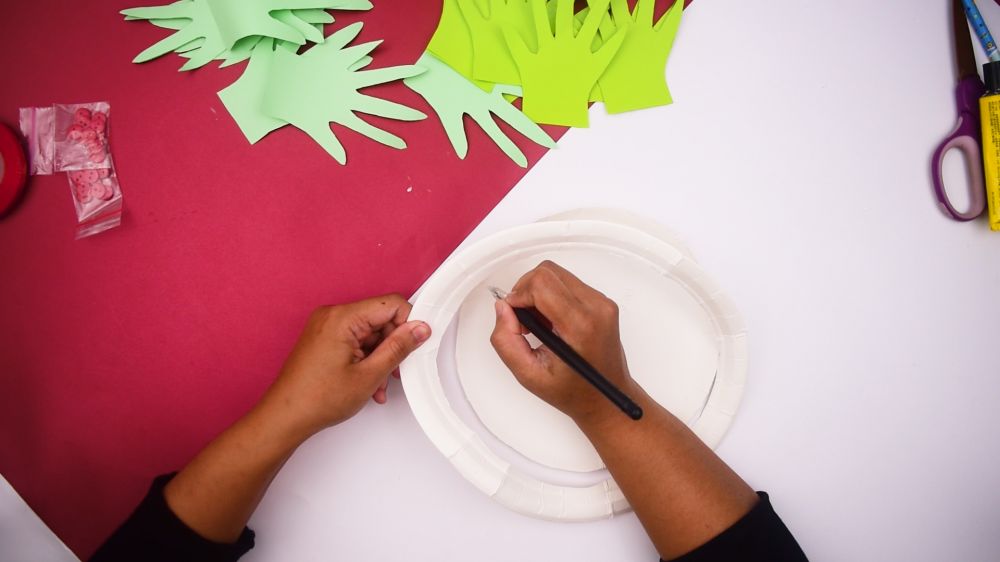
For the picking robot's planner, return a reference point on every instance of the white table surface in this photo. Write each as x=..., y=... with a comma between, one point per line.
x=795, y=164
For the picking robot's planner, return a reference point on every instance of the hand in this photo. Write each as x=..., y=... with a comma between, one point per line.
x=322, y=86
x=344, y=356
x=452, y=97
x=586, y=320
x=636, y=78
x=560, y=76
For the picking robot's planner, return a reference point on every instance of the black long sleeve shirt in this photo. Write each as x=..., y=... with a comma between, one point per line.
x=154, y=534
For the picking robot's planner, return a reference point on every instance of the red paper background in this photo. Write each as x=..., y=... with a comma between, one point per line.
x=121, y=355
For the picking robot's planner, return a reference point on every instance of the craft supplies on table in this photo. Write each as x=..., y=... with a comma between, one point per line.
x=965, y=135
x=982, y=31
x=13, y=169
x=538, y=463
x=74, y=138
x=990, y=110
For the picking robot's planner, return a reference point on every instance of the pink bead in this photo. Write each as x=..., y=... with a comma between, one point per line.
x=89, y=134
x=97, y=157
x=82, y=113
x=106, y=192
x=104, y=173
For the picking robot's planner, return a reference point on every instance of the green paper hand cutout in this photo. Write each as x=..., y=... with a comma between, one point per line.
x=222, y=23
x=636, y=78
x=320, y=87
x=492, y=61
x=244, y=97
x=452, y=97
x=559, y=77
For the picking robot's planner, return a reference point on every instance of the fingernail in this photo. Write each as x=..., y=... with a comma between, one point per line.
x=421, y=332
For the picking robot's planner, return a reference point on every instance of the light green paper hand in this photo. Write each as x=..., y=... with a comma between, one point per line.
x=453, y=97
x=222, y=23
x=559, y=77
x=636, y=78
x=243, y=98
x=319, y=87
x=491, y=60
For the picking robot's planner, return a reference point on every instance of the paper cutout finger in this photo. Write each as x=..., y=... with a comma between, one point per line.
x=559, y=76
x=321, y=87
x=452, y=97
x=636, y=78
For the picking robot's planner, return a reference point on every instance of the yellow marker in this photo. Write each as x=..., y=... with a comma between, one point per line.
x=989, y=108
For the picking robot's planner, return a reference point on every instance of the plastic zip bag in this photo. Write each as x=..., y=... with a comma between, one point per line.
x=74, y=138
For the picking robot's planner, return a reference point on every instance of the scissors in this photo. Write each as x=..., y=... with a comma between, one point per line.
x=965, y=135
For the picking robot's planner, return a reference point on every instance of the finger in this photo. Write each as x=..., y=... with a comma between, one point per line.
x=380, y=313
x=171, y=43
x=620, y=11
x=382, y=75
x=564, y=18
x=644, y=12
x=172, y=11
x=540, y=15
x=543, y=290
x=343, y=37
x=388, y=109
x=395, y=348
x=381, y=395
x=522, y=123
x=598, y=11
x=360, y=126
x=322, y=134
x=485, y=120
x=510, y=344
x=671, y=20
x=314, y=15
x=365, y=61
x=603, y=56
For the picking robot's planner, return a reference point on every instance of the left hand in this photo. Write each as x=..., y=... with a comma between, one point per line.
x=344, y=357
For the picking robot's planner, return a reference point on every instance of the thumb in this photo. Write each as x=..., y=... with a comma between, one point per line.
x=397, y=346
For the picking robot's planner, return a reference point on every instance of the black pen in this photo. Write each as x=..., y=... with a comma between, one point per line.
x=536, y=325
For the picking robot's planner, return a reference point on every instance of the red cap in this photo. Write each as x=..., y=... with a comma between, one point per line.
x=13, y=168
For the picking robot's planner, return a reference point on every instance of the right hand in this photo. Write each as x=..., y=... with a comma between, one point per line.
x=586, y=320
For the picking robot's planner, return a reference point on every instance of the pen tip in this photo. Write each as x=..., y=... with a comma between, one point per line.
x=498, y=293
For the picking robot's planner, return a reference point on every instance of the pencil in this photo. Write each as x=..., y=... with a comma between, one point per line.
x=537, y=326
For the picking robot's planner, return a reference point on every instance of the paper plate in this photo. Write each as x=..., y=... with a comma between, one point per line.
x=684, y=339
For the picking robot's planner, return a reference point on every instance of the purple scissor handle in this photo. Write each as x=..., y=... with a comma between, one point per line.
x=965, y=136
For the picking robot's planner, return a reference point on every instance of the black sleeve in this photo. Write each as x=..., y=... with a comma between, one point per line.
x=154, y=534
x=759, y=536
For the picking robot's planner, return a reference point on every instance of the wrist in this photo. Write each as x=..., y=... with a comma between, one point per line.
x=604, y=415
x=287, y=420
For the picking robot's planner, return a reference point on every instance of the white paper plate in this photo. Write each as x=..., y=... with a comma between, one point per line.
x=685, y=342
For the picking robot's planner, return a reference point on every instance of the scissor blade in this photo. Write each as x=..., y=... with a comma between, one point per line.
x=965, y=56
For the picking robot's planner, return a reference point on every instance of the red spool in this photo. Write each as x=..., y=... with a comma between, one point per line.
x=13, y=169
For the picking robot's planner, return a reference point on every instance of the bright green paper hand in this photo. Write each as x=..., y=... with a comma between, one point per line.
x=559, y=77
x=222, y=23
x=491, y=60
x=320, y=87
x=244, y=97
x=636, y=78
x=453, y=97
